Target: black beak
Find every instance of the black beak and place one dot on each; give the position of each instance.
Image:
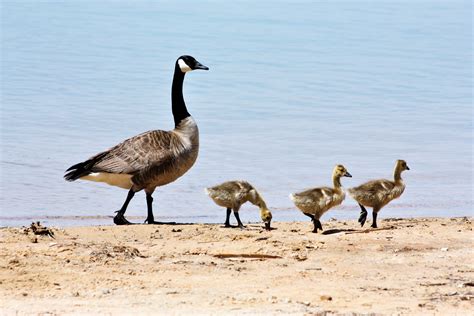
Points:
(406, 167)
(267, 226)
(198, 65)
(347, 174)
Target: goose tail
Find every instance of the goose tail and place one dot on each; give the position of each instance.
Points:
(292, 196)
(82, 169)
(77, 171)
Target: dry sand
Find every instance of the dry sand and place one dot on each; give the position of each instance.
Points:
(409, 266)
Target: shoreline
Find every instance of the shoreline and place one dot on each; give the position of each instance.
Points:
(68, 221)
(407, 266)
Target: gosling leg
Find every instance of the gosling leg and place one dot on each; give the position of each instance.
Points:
(363, 215)
(120, 219)
(315, 229)
(237, 217)
(227, 218)
(374, 219)
(310, 216)
(317, 225)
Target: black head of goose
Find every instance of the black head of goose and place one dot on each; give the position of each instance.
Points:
(151, 159)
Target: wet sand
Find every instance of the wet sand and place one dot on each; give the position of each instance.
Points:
(407, 266)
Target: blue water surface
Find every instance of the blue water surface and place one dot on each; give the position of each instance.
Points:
(294, 88)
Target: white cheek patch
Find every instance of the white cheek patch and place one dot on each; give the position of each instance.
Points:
(183, 66)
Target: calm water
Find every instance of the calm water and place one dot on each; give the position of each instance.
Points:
(293, 89)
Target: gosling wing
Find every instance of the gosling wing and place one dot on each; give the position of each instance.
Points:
(317, 198)
(372, 192)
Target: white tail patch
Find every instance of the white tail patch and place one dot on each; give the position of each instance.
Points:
(121, 180)
(206, 190)
(292, 196)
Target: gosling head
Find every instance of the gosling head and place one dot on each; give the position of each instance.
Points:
(402, 165)
(188, 63)
(266, 217)
(341, 171)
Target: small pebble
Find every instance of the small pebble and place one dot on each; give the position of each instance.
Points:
(326, 298)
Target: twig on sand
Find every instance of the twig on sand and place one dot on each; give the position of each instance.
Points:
(365, 231)
(245, 255)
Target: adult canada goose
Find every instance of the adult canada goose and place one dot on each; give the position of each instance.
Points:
(378, 193)
(315, 202)
(152, 159)
(233, 194)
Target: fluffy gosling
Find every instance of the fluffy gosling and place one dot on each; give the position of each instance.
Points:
(315, 202)
(233, 194)
(378, 193)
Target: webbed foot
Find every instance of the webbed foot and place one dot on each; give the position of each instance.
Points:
(362, 218)
(151, 221)
(119, 219)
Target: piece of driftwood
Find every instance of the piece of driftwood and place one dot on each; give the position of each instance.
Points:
(369, 230)
(38, 229)
(245, 255)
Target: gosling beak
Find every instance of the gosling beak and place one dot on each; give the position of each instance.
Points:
(347, 174)
(267, 226)
(407, 168)
(198, 65)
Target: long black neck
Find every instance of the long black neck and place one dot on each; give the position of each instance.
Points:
(177, 101)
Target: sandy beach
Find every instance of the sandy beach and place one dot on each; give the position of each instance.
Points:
(407, 266)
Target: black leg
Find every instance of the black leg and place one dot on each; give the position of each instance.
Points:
(150, 219)
(236, 214)
(374, 219)
(363, 215)
(227, 218)
(318, 223)
(309, 215)
(315, 228)
(119, 219)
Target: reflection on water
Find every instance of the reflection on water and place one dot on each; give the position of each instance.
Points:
(293, 89)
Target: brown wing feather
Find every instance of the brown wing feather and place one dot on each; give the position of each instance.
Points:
(136, 153)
